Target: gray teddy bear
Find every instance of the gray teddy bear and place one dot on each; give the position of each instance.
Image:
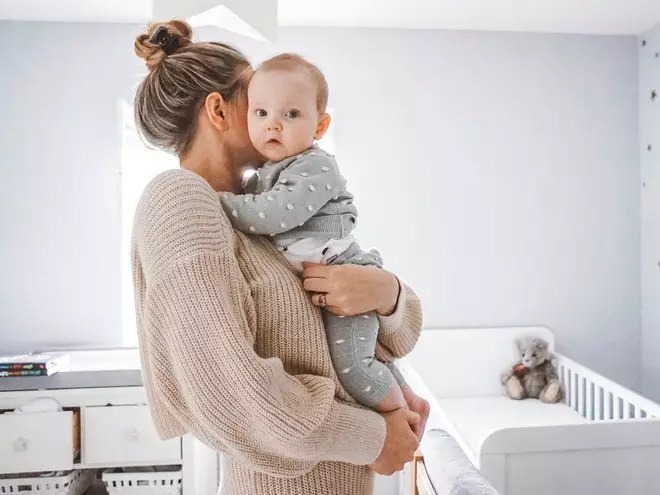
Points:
(534, 375)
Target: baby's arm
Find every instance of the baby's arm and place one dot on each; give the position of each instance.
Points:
(303, 188)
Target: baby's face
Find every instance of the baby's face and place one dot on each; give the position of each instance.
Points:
(282, 113)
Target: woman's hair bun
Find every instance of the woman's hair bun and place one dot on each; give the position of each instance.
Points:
(161, 40)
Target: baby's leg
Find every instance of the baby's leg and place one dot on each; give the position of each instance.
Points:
(413, 401)
(377, 385)
(352, 342)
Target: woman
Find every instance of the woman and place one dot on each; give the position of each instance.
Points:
(233, 349)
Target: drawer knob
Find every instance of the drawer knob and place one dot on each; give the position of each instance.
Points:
(20, 444)
(133, 434)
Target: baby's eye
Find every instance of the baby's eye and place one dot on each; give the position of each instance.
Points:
(292, 114)
(533, 354)
(260, 112)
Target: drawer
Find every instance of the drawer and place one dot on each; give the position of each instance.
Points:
(116, 435)
(36, 441)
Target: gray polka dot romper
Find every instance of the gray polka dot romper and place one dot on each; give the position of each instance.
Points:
(303, 198)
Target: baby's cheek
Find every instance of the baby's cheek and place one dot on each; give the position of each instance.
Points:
(255, 132)
(298, 143)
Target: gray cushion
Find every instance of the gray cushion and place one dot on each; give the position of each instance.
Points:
(448, 468)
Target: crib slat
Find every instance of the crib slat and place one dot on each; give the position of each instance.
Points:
(626, 410)
(599, 406)
(617, 407)
(596, 397)
(580, 396)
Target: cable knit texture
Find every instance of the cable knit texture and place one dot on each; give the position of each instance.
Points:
(234, 352)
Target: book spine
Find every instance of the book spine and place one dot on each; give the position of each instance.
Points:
(41, 372)
(24, 366)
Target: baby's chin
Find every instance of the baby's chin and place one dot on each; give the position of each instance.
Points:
(275, 151)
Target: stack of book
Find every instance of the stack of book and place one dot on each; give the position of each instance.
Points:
(33, 364)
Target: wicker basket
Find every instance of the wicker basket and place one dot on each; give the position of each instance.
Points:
(74, 482)
(164, 480)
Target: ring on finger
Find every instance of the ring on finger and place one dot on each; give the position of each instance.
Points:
(322, 300)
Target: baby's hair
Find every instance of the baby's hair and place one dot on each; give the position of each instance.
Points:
(292, 61)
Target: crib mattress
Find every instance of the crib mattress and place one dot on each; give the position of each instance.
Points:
(475, 418)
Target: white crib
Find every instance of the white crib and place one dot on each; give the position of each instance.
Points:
(603, 439)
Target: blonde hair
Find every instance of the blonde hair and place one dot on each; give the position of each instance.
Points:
(292, 61)
(182, 73)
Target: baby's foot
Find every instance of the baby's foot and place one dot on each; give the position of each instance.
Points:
(419, 405)
(423, 408)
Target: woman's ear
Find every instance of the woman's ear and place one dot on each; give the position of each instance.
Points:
(322, 126)
(216, 111)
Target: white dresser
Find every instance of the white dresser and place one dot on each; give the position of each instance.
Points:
(103, 411)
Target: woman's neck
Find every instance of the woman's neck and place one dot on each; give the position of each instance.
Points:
(216, 167)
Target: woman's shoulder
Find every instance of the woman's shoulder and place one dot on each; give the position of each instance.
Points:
(168, 188)
(178, 193)
(178, 214)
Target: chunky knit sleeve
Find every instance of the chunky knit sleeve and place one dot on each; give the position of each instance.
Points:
(400, 331)
(197, 341)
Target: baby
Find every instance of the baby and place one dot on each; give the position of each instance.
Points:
(299, 198)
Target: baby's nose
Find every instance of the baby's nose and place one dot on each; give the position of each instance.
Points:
(274, 125)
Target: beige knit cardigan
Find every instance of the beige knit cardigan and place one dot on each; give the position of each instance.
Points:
(234, 353)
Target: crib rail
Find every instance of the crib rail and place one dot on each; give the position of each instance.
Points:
(599, 399)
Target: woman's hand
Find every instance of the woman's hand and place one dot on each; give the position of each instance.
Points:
(349, 290)
(400, 441)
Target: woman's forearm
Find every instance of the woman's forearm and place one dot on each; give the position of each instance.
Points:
(399, 331)
(391, 288)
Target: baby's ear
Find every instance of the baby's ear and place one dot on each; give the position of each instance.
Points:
(322, 126)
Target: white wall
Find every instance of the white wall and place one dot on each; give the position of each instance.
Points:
(497, 173)
(649, 68)
(60, 146)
